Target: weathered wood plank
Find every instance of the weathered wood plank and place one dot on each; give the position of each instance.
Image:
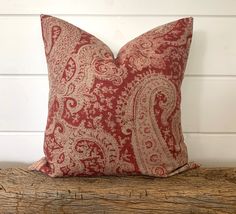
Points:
(204, 190)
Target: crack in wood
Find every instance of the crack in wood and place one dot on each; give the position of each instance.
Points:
(198, 191)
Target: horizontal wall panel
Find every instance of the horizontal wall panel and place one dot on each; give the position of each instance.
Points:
(20, 149)
(212, 52)
(23, 105)
(209, 150)
(209, 104)
(163, 7)
(212, 150)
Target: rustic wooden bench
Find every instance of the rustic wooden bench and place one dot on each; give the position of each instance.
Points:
(204, 190)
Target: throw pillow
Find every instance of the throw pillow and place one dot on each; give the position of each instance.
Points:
(114, 116)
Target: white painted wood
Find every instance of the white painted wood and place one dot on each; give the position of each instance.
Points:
(214, 41)
(23, 104)
(130, 7)
(209, 89)
(18, 149)
(21, 46)
(209, 104)
(23, 53)
(210, 150)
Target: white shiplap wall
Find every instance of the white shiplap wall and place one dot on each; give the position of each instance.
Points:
(209, 88)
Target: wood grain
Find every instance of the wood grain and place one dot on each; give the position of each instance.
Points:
(205, 190)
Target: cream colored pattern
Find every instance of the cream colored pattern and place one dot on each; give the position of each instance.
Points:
(139, 120)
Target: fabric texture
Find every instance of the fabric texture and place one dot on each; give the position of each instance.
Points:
(114, 116)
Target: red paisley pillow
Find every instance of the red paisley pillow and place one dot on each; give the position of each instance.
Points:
(114, 116)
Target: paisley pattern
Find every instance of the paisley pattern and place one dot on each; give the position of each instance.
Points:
(114, 116)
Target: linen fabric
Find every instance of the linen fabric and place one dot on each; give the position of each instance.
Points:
(114, 116)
